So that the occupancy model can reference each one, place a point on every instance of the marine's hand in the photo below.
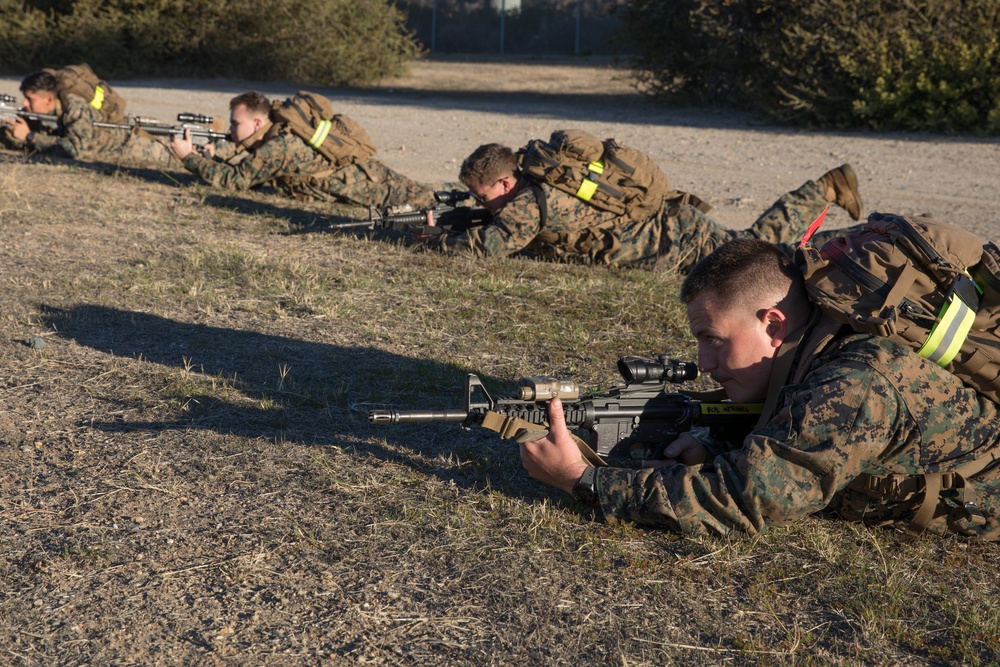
(208, 150)
(18, 128)
(182, 146)
(685, 449)
(555, 459)
(430, 222)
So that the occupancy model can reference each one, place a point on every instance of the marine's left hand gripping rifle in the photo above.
(448, 216)
(632, 422)
(10, 110)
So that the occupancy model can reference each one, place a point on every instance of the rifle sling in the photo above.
(524, 431)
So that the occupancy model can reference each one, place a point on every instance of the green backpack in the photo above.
(605, 174)
(336, 137)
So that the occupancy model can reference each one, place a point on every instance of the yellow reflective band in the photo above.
(587, 190)
(98, 100)
(319, 136)
(731, 409)
(948, 334)
(596, 167)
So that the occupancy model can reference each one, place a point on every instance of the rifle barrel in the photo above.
(416, 416)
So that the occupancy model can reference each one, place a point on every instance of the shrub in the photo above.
(328, 42)
(908, 64)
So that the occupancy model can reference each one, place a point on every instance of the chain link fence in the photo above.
(520, 27)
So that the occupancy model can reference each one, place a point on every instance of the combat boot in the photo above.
(840, 186)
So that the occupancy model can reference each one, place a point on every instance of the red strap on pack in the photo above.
(815, 225)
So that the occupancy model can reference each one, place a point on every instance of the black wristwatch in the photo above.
(30, 139)
(585, 490)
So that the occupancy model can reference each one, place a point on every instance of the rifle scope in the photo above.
(7, 99)
(197, 118)
(660, 369)
(451, 197)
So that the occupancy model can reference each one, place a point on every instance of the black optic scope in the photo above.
(660, 369)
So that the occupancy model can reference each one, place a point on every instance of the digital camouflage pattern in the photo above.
(295, 169)
(865, 406)
(80, 139)
(678, 236)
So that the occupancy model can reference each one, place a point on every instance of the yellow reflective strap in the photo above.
(98, 100)
(731, 409)
(596, 167)
(587, 190)
(319, 136)
(950, 331)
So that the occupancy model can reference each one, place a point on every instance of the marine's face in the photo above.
(494, 196)
(40, 101)
(735, 346)
(243, 124)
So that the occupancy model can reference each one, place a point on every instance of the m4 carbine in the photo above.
(449, 216)
(633, 422)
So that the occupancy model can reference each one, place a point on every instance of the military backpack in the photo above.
(81, 81)
(336, 137)
(605, 174)
(930, 286)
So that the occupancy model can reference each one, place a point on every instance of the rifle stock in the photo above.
(632, 422)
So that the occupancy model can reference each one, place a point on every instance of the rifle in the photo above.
(196, 123)
(449, 217)
(633, 422)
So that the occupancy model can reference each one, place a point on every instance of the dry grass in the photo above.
(188, 476)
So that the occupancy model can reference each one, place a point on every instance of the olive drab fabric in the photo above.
(81, 81)
(336, 137)
(605, 174)
(926, 284)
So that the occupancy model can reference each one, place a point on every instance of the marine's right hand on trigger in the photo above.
(685, 449)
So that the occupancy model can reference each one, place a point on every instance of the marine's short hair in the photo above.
(39, 82)
(745, 270)
(488, 164)
(256, 103)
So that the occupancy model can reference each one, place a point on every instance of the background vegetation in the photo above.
(901, 64)
(329, 42)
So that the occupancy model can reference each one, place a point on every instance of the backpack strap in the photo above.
(820, 331)
(543, 206)
(901, 487)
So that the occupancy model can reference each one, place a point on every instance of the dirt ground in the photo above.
(426, 123)
(187, 475)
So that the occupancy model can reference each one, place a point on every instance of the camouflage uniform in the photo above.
(866, 405)
(678, 236)
(80, 139)
(297, 170)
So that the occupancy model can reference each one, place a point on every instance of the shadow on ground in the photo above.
(258, 385)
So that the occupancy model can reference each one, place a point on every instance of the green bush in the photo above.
(327, 42)
(904, 64)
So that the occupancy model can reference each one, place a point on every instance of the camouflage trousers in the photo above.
(689, 234)
(368, 183)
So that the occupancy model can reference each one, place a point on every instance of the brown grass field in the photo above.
(188, 476)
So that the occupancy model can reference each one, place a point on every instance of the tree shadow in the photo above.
(259, 385)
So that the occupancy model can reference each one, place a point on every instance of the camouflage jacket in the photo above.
(287, 163)
(865, 406)
(677, 237)
(79, 137)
